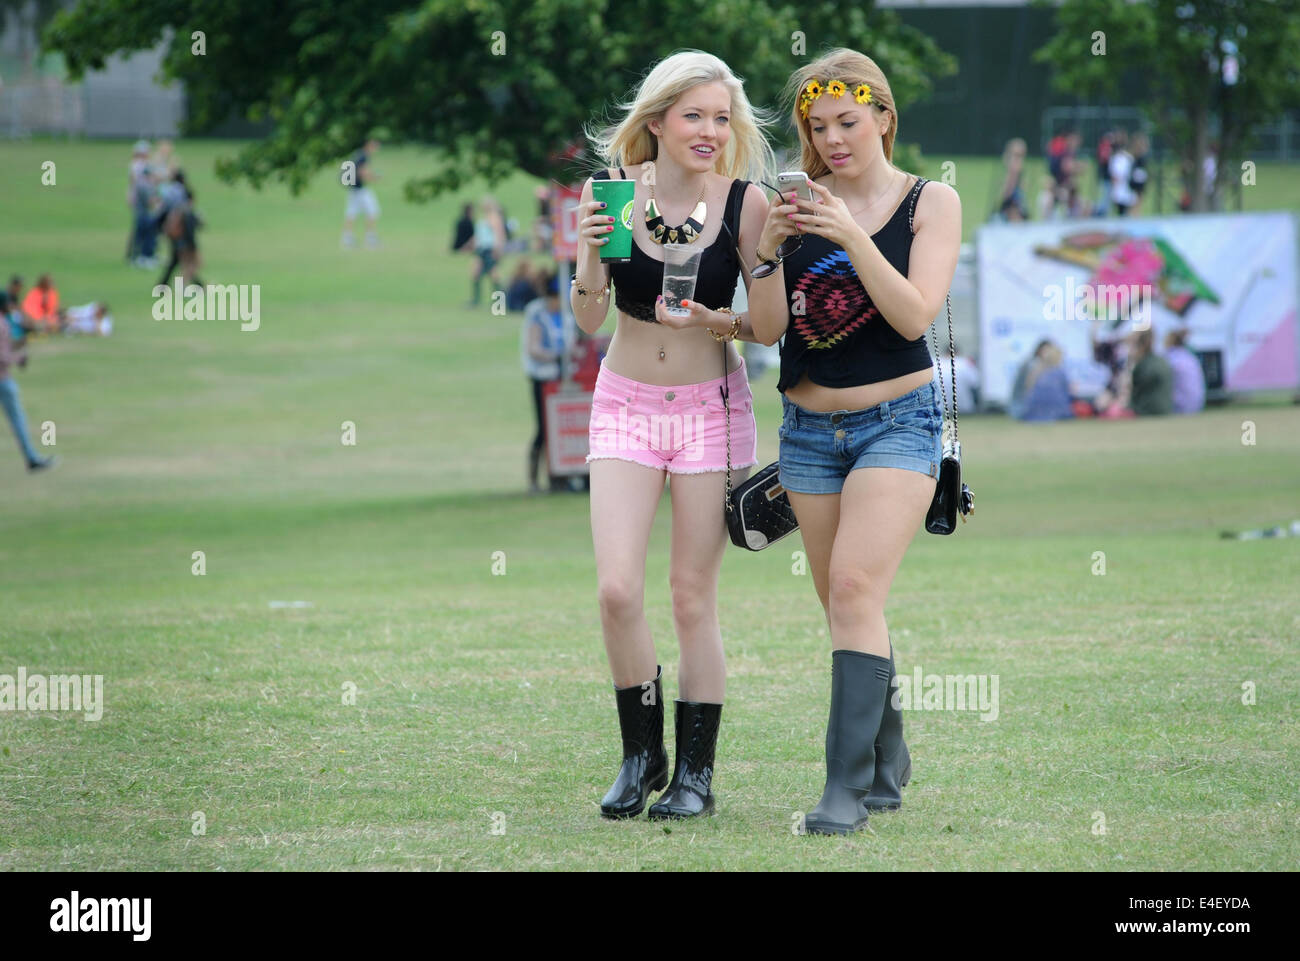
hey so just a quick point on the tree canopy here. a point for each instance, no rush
(1211, 67)
(496, 85)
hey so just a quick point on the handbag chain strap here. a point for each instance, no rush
(952, 366)
(726, 406)
(952, 351)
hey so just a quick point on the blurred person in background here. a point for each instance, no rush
(463, 232)
(1046, 389)
(162, 165)
(542, 227)
(92, 318)
(11, 356)
(1137, 178)
(1152, 379)
(489, 244)
(139, 198)
(180, 223)
(525, 286)
(1018, 387)
(41, 305)
(1189, 376)
(1062, 164)
(361, 198)
(1011, 206)
(14, 291)
(1105, 147)
(1120, 170)
(12, 316)
(547, 343)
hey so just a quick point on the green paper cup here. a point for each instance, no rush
(617, 196)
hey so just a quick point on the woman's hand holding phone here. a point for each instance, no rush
(778, 225)
(828, 216)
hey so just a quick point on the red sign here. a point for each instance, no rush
(564, 220)
(568, 418)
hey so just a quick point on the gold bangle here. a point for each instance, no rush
(583, 291)
(735, 326)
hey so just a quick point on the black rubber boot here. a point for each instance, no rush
(645, 763)
(690, 793)
(859, 688)
(893, 760)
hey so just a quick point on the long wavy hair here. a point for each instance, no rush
(747, 155)
(852, 68)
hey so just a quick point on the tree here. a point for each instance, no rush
(1223, 65)
(497, 85)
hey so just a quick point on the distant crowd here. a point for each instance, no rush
(1141, 383)
(1121, 159)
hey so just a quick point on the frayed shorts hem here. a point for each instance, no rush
(668, 468)
(834, 485)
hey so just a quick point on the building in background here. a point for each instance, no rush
(122, 100)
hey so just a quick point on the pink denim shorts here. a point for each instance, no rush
(681, 429)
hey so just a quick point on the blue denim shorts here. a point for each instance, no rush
(818, 450)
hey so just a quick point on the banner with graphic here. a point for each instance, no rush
(1228, 279)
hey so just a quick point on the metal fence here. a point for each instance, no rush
(1279, 141)
(89, 110)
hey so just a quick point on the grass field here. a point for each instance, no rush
(1121, 695)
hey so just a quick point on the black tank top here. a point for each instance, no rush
(637, 284)
(840, 337)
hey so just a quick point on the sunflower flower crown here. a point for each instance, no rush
(836, 88)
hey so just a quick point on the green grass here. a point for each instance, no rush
(1119, 694)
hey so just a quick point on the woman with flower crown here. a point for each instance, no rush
(853, 281)
(688, 138)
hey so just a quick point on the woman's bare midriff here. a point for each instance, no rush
(691, 356)
(823, 400)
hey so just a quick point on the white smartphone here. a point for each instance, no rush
(797, 181)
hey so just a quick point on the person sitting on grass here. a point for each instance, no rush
(1047, 388)
(1152, 379)
(42, 305)
(1189, 377)
(92, 318)
(11, 402)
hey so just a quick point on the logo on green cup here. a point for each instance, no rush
(627, 215)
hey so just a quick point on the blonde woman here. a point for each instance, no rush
(690, 140)
(861, 426)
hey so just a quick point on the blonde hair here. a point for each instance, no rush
(850, 68)
(747, 154)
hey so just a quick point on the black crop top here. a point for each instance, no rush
(639, 283)
(840, 337)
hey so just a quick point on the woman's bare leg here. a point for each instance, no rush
(699, 541)
(624, 497)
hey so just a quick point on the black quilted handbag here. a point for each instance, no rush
(758, 511)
